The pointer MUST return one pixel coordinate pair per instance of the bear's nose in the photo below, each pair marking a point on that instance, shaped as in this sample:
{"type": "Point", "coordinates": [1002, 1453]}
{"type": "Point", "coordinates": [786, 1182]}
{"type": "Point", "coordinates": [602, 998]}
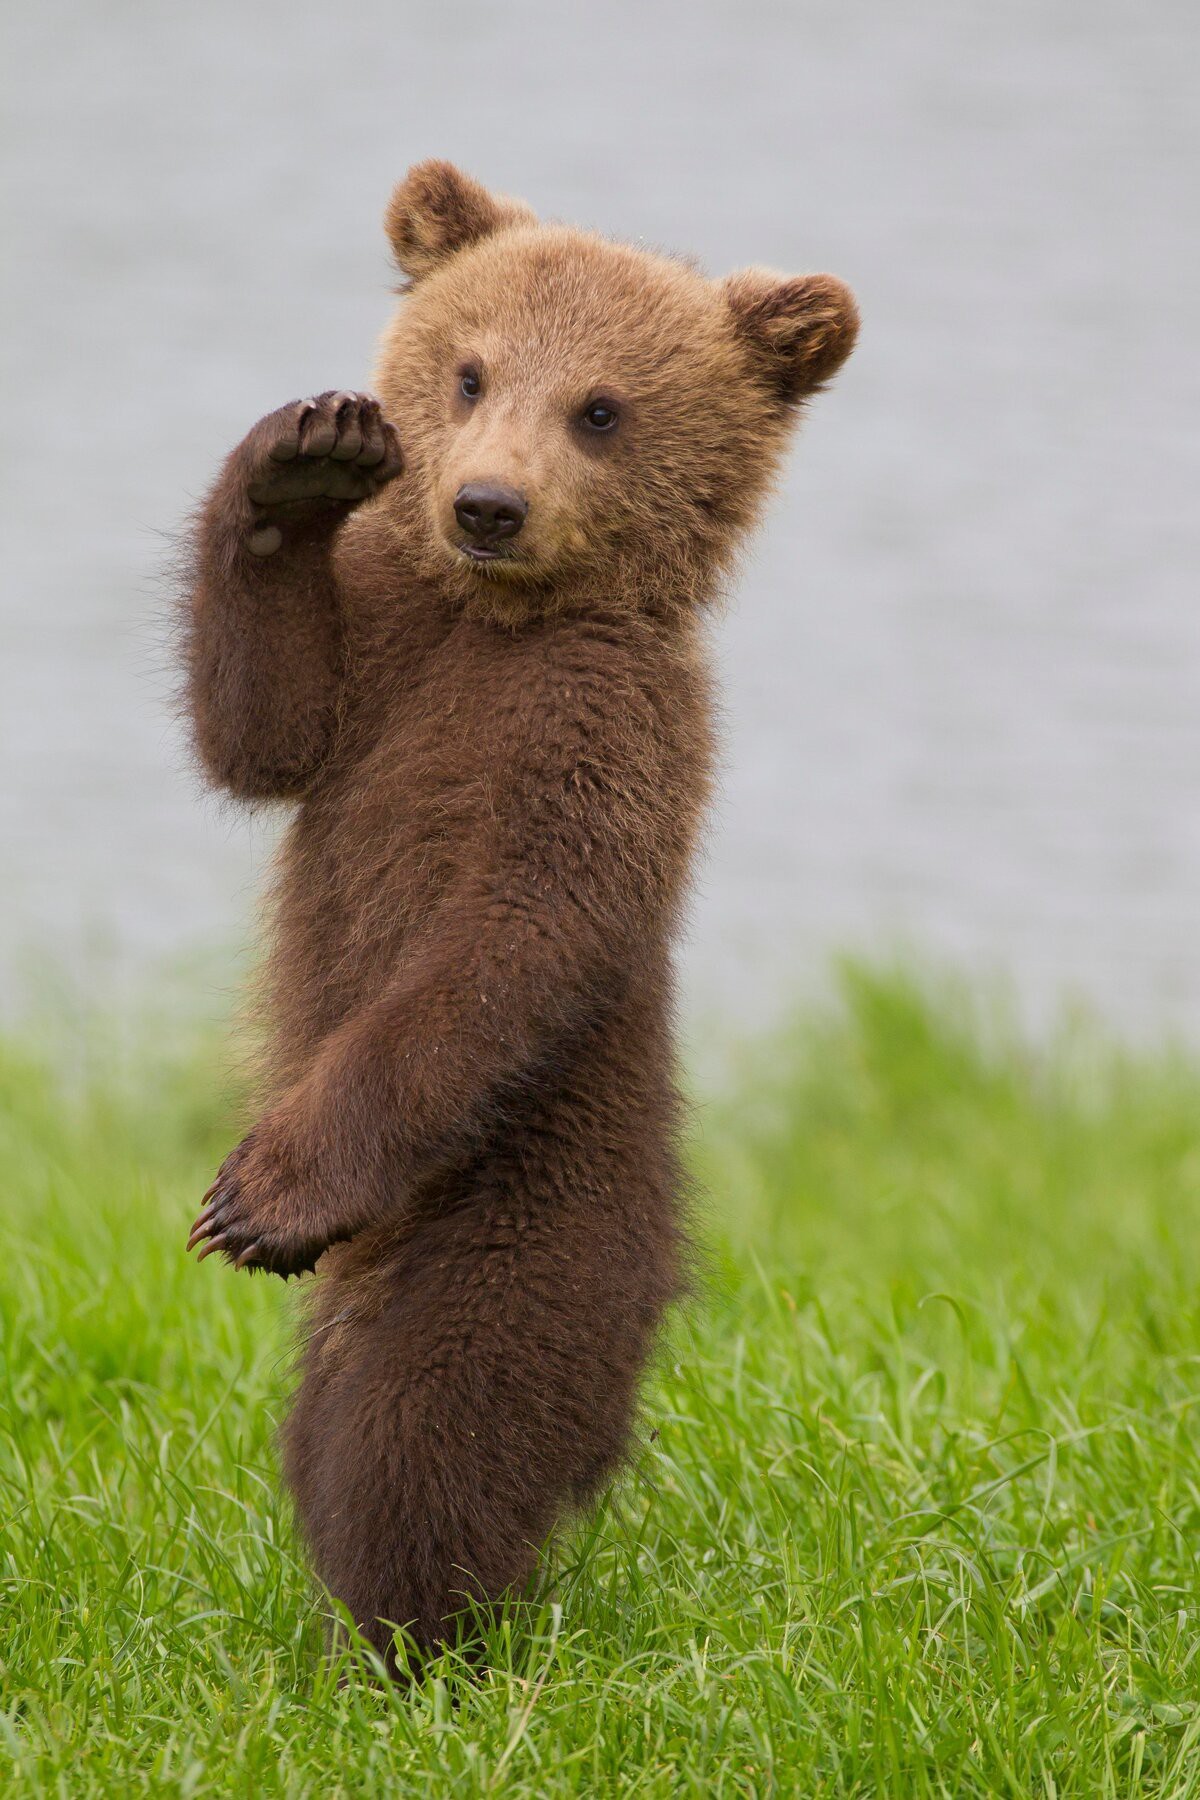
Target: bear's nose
{"type": "Point", "coordinates": [488, 512]}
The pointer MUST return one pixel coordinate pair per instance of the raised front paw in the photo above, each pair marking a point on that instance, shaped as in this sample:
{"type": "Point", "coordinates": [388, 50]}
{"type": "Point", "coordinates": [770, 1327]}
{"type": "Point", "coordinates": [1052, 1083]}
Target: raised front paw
{"type": "Point", "coordinates": [313, 458]}
{"type": "Point", "coordinates": [262, 1211]}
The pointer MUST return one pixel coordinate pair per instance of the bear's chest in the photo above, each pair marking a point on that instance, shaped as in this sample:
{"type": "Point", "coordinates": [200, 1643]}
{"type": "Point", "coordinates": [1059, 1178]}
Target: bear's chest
{"type": "Point", "coordinates": [402, 813]}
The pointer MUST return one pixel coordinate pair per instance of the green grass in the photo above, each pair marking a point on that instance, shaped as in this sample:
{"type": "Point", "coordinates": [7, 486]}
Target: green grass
{"type": "Point", "coordinates": [919, 1514]}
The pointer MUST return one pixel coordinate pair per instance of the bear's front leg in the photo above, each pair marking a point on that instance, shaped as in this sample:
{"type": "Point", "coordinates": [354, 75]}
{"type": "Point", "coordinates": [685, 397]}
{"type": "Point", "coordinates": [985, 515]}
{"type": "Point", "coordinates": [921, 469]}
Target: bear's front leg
{"type": "Point", "coordinates": [263, 618]}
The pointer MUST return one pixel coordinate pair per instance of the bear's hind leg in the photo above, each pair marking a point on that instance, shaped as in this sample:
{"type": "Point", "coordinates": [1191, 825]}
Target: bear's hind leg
{"type": "Point", "coordinates": [474, 1379]}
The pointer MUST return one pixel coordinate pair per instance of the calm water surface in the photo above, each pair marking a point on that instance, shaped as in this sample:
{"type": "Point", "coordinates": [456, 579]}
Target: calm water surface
{"type": "Point", "coordinates": [963, 668]}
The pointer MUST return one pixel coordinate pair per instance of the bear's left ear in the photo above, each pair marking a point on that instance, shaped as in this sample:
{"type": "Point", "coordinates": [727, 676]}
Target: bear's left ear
{"type": "Point", "coordinates": [437, 210]}
{"type": "Point", "coordinates": [800, 328]}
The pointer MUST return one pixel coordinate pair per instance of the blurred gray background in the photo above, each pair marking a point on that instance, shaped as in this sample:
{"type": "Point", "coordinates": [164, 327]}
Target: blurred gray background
{"type": "Point", "coordinates": [963, 668]}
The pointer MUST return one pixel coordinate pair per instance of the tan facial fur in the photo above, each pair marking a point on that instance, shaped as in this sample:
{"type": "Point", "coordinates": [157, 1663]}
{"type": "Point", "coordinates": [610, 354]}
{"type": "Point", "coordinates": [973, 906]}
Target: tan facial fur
{"type": "Point", "coordinates": [705, 378]}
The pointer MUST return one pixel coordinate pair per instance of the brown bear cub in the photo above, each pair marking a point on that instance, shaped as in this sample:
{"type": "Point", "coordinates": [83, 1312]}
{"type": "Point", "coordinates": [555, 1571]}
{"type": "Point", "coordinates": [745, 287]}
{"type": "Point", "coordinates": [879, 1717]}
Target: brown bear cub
{"type": "Point", "coordinates": [460, 626]}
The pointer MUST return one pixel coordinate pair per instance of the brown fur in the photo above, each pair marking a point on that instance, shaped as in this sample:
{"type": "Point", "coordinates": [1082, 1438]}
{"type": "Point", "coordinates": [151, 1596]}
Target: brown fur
{"type": "Point", "coordinates": [500, 771]}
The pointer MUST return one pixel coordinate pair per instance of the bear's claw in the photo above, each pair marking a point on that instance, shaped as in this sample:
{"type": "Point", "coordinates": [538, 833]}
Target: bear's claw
{"type": "Point", "coordinates": [245, 1214]}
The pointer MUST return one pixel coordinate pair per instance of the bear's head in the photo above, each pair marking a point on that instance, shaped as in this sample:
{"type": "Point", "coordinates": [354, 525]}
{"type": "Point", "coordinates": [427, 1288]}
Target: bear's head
{"type": "Point", "coordinates": [577, 413]}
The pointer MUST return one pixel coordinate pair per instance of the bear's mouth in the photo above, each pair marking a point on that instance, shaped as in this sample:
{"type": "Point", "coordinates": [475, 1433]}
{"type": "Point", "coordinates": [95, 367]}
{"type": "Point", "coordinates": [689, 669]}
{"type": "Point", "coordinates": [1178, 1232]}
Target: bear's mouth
{"type": "Point", "coordinates": [484, 554]}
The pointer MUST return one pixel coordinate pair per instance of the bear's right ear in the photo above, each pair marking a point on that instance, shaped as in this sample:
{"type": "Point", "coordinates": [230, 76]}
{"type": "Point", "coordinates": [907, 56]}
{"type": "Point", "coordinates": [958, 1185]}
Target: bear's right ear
{"type": "Point", "coordinates": [437, 210]}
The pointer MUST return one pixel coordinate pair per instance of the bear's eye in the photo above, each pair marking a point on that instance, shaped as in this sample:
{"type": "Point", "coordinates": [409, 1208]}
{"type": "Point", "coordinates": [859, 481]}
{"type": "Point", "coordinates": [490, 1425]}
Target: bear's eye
{"type": "Point", "coordinates": [600, 416]}
{"type": "Point", "coordinates": [471, 384]}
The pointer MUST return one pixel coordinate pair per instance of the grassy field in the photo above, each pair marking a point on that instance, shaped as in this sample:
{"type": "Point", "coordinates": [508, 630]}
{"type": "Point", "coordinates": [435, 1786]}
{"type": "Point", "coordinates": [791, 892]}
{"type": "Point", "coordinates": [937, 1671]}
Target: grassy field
{"type": "Point", "coordinates": [917, 1505]}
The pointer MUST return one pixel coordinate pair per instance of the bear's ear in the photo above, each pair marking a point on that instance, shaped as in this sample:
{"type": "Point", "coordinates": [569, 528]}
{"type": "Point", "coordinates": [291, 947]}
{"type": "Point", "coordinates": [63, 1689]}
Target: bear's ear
{"type": "Point", "coordinates": [800, 328]}
{"type": "Point", "coordinates": [437, 210]}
